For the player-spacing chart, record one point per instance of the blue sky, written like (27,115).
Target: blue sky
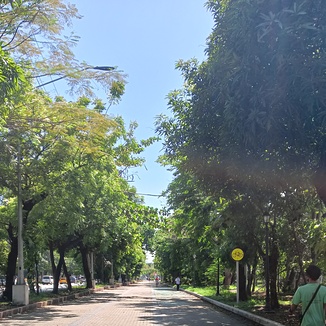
(145,39)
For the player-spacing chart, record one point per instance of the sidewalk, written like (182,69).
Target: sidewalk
(100,307)
(138,304)
(259,320)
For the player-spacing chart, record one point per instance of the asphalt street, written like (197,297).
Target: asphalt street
(137,304)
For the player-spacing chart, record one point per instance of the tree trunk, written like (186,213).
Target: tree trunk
(299,251)
(67,275)
(254,278)
(85,260)
(56,270)
(289,281)
(242,283)
(51,248)
(13,254)
(11,263)
(251,277)
(227,278)
(56,275)
(37,277)
(273,265)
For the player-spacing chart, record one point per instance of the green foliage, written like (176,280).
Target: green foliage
(11,77)
(76,160)
(251,116)
(39,35)
(116,91)
(3,255)
(247,135)
(148,270)
(71,181)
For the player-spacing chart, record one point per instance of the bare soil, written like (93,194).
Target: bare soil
(280,315)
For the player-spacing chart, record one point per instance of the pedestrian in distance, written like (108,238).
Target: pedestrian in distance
(312,297)
(178,282)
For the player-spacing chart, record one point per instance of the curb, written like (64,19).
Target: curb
(54,301)
(33,306)
(257,319)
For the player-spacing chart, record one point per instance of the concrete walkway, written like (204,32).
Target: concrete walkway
(138,304)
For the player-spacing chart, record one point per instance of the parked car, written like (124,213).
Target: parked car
(63,280)
(2,281)
(47,279)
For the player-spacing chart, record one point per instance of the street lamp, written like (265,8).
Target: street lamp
(194,280)
(112,275)
(218,277)
(20,291)
(102,68)
(268,299)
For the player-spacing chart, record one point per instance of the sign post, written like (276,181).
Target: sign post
(237,255)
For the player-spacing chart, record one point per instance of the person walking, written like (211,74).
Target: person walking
(312,297)
(178,282)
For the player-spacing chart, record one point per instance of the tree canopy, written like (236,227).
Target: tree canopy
(71,159)
(254,109)
(248,126)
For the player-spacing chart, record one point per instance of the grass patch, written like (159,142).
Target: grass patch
(44,296)
(48,295)
(229,297)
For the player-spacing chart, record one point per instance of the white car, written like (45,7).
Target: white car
(47,279)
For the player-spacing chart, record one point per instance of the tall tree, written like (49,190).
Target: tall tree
(11,78)
(252,115)
(48,135)
(255,110)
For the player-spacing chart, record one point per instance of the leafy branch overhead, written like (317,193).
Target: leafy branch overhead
(74,158)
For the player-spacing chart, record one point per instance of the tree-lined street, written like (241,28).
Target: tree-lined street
(139,304)
(245,139)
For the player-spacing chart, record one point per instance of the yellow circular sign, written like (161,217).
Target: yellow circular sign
(237,254)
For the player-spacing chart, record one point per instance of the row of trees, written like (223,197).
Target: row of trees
(247,135)
(71,159)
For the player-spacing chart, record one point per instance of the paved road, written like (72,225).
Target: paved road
(139,304)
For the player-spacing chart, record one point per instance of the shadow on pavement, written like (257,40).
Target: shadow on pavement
(150,305)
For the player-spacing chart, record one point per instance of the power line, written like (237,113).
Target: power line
(148,195)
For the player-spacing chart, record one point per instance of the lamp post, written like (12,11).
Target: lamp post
(268,299)
(91,258)
(195,263)
(218,277)
(102,68)
(20,291)
(112,275)
(20,279)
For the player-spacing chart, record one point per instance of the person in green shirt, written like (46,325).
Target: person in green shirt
(315,315)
